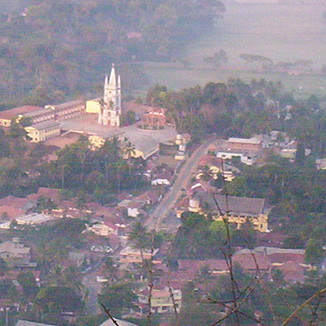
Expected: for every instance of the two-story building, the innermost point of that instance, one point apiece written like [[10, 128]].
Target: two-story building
[[43, 131], [68, 110], [237, 210], [15, 253], [17, 113], [161, 301]]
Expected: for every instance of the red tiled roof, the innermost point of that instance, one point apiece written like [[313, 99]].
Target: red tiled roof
[[248, 262], [14, 201], [52, 193], [285, 257], [272, 238], [210, 161], [12, 212], [13, 113], [292, 271]]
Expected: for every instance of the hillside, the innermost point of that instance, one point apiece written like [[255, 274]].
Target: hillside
[[67, 45]]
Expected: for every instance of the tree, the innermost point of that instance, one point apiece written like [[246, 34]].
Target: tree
[[3, 266], [314, 252], [139, 238], [28, 283], [117, 297], [58, 299], [300, 154]]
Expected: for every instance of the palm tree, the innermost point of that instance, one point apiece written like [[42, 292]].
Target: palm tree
[[139, 238]]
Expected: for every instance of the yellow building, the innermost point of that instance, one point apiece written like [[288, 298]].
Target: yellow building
[[43, 131], [93, 106], [161, 301], [18, 113], [98, 140], [238, 210], [145, 146]]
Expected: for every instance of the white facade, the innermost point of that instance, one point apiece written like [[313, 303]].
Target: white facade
[[244, 158], [110, 110]]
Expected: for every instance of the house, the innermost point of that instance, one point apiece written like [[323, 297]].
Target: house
[[103, 228], [289, 261], [32, 323], [132, 206], [292, 272], [161, 301], [245, 157], [12, 201], [162, 177], [131, 255], [34, 218], [16, 113], [244, 144], [15, 252], [43, 131], [216, 267], [10, 213], [109, 322], [256, 263], [47, 193], [209, 164], [201, 186], [213, 166], [237, 210]]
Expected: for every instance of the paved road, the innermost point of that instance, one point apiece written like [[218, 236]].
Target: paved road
[[182, 180]]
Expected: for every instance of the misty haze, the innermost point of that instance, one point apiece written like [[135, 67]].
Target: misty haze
[[162, 162]]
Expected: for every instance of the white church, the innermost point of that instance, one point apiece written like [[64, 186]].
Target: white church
[[108, 108]]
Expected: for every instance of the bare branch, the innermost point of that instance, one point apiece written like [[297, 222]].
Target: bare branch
[[237, 311], [107, 311], [295, 312]]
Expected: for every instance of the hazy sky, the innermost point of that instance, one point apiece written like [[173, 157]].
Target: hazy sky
[[280, 32]]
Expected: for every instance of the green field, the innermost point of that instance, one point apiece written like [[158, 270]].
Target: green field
[[176, 76], [279, 32]]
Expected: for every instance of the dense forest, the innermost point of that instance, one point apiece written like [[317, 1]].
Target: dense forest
[[50, 49]]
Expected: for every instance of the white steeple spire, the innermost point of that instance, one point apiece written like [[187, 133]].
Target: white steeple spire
[[112, 100], [113, 78]]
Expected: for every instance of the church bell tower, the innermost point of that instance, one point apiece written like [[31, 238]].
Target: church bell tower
[[110, 111]]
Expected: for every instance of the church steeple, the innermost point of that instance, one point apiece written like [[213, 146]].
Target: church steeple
[[111, 100], [113, 79]]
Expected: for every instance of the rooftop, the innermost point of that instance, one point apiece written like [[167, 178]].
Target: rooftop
[[87, 124], [16, 202], [15, 112], [66, 105], [244, 140], [109, 322], [31, 323], [234, 205], [45, 125], [13, 247], [37, 112]]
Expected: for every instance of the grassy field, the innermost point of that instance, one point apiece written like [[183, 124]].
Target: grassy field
[[279, 32], [176, 76]]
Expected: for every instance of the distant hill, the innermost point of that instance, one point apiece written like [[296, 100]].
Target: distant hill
[[67, 45]]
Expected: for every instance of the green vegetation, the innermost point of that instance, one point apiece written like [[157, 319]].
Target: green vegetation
[[52, 49], [266, 302], [186, 75], [239, 109], [199, 237]]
